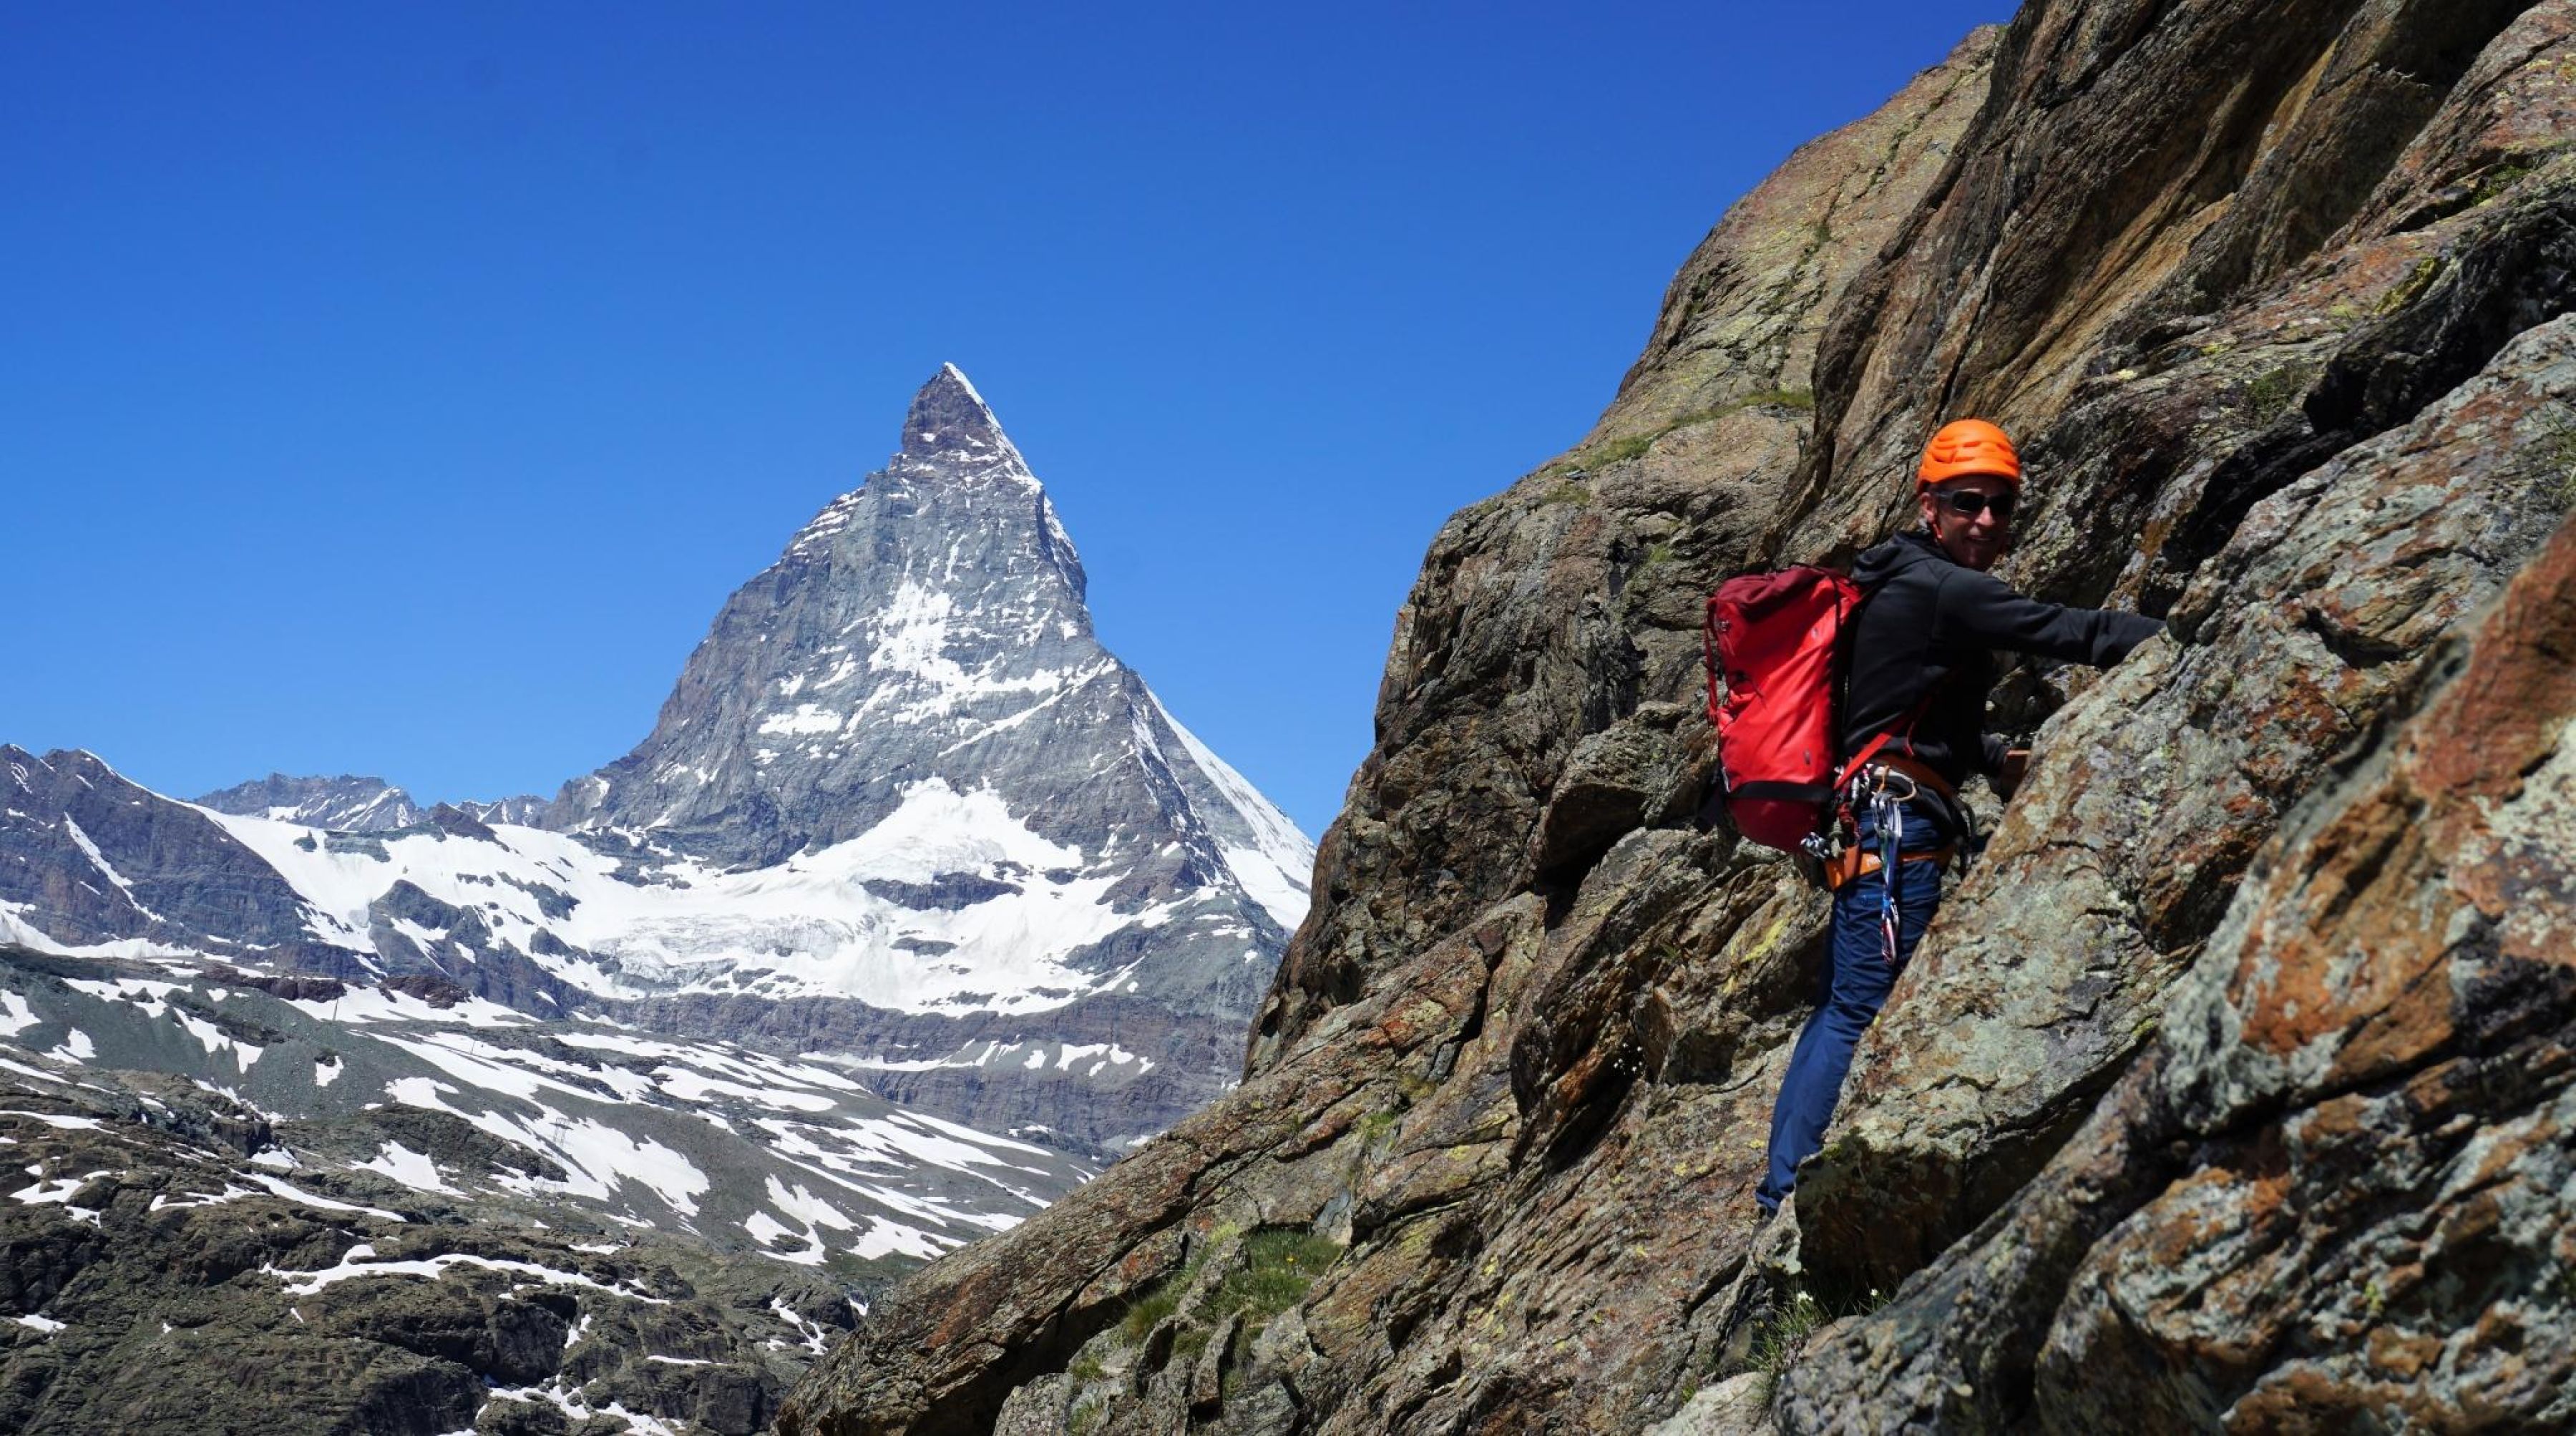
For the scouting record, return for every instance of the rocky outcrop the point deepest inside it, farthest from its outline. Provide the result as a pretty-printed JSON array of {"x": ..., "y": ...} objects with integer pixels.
[
  {"x": 2314, "y": 462},
  {"x": 2227, "y": 1089}
]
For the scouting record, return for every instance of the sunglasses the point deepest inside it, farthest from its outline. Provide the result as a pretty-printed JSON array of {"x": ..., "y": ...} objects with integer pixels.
[{"x": 1968, "y": 506}]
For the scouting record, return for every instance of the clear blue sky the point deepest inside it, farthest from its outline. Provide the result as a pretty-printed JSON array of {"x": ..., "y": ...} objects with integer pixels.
[{"x": 399, "y": 389}]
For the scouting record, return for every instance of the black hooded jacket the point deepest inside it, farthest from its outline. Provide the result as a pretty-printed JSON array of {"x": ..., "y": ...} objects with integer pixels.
[{"x": 1925, "y": 621}]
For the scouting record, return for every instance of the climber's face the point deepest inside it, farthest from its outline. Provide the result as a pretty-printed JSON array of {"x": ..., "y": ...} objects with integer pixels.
[{"x": 1971, "y": 518}]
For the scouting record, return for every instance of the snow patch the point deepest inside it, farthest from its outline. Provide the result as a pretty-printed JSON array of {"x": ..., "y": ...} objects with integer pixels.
[
  {"x": 357, "y": 1262},
  {"x": 413, "y": 1169},
  {"x": 293, "y": 1193}
]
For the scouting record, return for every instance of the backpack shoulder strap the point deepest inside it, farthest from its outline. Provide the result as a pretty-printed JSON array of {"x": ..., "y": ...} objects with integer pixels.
[{"x": 1871, "y": 748}]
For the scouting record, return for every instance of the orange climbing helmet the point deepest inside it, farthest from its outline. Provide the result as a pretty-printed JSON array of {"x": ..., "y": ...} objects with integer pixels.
[{"x": 1968, "y": 446}]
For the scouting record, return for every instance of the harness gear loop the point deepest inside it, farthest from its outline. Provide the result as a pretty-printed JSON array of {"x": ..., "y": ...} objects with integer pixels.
[{"x": 1841, "y": 867}]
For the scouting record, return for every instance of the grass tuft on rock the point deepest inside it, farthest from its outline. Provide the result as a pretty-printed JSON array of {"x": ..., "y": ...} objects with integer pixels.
[
  {"x": 1780, "y": 1339},
  {"x": 1147, "y": 1312},
  {"x": 2272, "y": 392},
  {"x": 1619, "y": 451},
  {"x": 1278, "y": 1267}
]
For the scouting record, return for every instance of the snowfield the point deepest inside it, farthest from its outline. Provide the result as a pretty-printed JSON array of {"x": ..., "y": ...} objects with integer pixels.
[{"x": 808, "y": 927}]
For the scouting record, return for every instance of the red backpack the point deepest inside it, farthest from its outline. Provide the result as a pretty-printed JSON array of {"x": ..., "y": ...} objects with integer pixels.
[{"x": 1775, "y": 668}]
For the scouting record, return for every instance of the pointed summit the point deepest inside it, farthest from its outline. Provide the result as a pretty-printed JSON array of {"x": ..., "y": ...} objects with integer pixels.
[{"x": 949, "y": 417}]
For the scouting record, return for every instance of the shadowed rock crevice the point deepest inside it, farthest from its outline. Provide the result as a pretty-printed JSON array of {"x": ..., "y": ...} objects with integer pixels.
[{"x": 2516, "y": 277}]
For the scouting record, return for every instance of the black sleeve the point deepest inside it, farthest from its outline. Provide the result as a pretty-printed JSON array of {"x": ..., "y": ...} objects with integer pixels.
[
  {"x": 1984, "y": 610},
  {"x": 1990, "y": 753}
]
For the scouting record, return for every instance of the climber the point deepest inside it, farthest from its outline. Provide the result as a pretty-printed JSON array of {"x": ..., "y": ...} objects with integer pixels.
[{"x": 1919, "y": 670}]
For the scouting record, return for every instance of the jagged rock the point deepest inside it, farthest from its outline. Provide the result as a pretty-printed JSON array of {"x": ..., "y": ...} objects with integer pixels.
[
  {"x": 1634, "y": 774},
  {"x": 1737, "y": 1406},
  {"x": 437, "y": 991}
]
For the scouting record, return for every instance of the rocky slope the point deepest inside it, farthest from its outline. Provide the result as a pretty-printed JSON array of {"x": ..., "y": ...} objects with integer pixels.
[
  {"x": 170, "y": 1267},
  {"x": 2226, "y": 1089},
  {"x": 166, "y": 1277},
  {"x": 725, "y": 1202}
]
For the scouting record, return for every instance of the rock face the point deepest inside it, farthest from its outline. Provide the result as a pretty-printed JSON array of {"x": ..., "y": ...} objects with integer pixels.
[
  {"x": 2337, "y": 1191},
  {"x": 2228, "y": 1088},
  {"x": 87, "y": 857}
]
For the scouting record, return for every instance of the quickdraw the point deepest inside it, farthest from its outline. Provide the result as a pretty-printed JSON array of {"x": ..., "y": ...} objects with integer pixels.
[
  {"x": 1882, "y": 791},
  {"x": 1887, "y": 810}
]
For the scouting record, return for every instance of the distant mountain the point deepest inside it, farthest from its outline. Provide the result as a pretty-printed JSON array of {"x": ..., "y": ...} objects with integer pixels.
[
  {"x": 357, "y": 805},
  {"x": 527, "y": 809},
  {"x": 923, "y": 639},
  {"x": 348, "y": 804},
  {"x": 902, "y": 809}
]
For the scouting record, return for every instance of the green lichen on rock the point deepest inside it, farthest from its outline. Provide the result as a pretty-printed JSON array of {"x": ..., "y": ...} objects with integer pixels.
[{"x": 2554, "y": 455}]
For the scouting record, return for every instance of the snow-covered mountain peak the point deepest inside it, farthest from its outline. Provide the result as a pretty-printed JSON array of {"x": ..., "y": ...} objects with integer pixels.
[
  {"x": 922, "y": 650},
  {"x": 902, "y": 806}
]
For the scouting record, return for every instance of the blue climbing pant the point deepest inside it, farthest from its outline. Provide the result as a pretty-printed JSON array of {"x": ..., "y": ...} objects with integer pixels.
[{"x": 1857, "y": 979}]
